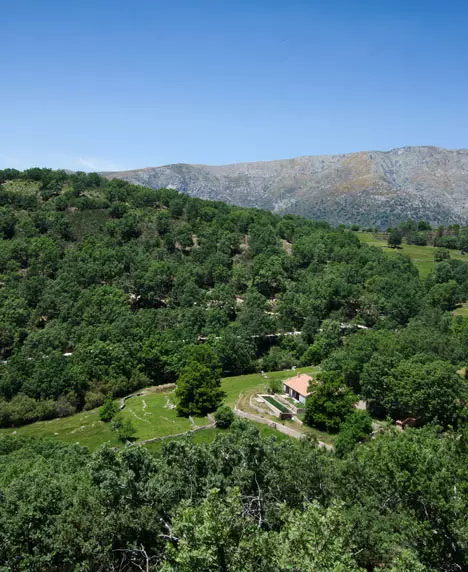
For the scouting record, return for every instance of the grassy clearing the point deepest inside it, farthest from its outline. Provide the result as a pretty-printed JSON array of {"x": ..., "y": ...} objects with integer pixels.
[
  {"x": 461, "y": 311},
  {"x": 422, "y": 256},
  {"x": 249, "y": 392},
  {"x": 209, "y": 435},
  {"x": 151, "y": 416},
  {"x": 234, "y": 386},
  {"x": 84, "y": 428}
]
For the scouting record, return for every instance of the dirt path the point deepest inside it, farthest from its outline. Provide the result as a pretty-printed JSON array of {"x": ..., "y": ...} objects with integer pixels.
[{"x": 274, "y": 425}]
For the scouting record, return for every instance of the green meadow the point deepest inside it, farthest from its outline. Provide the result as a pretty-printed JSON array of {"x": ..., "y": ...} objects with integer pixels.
[
  {"x": 152, "y": 415},
  {"x": 422, "y": 256},
  {"x": 462, "y": 310}
]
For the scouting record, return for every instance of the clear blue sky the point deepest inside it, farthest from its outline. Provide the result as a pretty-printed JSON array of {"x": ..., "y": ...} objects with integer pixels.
[{"x": 100, "y": 84}]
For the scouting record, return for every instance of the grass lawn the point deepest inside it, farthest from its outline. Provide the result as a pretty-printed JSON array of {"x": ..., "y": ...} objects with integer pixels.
[
  {"x": 250, "y": 389},
  {"x": 461, "y": 311},
  {"x": 209, "y": 435},
  {"x": 150, "y": 416},
  {"x": 234, "y": 386},
  {"x": 84, "y": 428},
  {"x": 422, "y": 256}
]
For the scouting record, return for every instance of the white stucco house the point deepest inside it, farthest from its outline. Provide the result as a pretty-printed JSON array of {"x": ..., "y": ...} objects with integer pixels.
[{"x": 298, "y": 387}]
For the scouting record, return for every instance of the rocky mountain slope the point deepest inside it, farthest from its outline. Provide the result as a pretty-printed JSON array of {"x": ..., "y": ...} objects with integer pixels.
[{"x": 371, "y": 188}]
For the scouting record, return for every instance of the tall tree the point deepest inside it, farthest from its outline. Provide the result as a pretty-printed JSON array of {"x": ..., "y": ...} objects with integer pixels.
[
  {"x": 329, "y": 403},
  {"x": 198, "y": 390},
  {"x": 395, "y": 238}
]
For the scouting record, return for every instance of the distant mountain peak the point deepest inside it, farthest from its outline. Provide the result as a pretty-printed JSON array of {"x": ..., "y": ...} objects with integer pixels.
[{"x": 373, "y": 188}]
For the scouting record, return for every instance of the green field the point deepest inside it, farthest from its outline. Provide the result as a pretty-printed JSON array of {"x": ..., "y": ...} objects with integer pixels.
[
  {"x": 151, "y": 416},
  {"x": 84, "y": 428},
  {"x": 234, "y": 386},
  {"x": 461, "y": 311},
  {"x": 422, "y": 256},
  {"x": 208, "y": 435}
]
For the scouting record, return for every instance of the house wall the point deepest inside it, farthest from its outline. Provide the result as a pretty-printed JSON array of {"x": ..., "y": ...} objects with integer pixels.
[{"x": 294, "y": 394}]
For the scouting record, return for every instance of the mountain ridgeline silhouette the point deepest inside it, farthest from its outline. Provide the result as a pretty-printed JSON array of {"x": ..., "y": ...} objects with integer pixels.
[{"x": 371, "y": 188}]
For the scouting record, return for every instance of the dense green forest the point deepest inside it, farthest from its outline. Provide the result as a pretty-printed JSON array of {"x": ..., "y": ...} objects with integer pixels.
[
  {"x": 107, "y": 287},
  {"x": 242, "y": 503}
]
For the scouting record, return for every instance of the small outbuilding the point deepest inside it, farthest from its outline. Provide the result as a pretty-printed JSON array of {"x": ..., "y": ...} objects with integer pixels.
[{"x": 298, "y": 387}]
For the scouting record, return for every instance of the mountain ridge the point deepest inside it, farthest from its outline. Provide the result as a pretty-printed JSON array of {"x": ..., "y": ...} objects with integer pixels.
[{"x": 372, "y": 188}]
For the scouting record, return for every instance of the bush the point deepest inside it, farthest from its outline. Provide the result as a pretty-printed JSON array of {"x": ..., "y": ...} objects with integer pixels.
[
  {"x": 452, "y": 242},
  {"x": 278, "y": 359},
  {"x": 417, "y": 238},
  {"x": 23, "y": 409},
  {"x": 108, "y": 410},
  {"x": 124, "y": 427},
  {"x": 441, "y": 254},
  {"x": 275, "y": 386},
  {"x": 224, "y": 416},
  {"x": 66, "y": 405},
  {"x": 93, "y": 399}
]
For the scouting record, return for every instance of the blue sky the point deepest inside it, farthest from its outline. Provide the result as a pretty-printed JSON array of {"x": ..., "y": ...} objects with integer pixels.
[{"x": 107, "y": 85}]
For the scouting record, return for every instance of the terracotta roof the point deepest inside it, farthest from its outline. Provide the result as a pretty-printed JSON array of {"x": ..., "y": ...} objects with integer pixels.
[{"x": 300, "y": 383}]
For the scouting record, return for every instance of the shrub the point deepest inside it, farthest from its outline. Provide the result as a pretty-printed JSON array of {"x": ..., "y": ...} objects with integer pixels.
[
  {"x": 447, "y": 241},
  {"x": 124, "y": 427},
  {"x": 278, "y": 359},
  {"x": 65, "y": 405},
  {"x": 93, "y": 399},
  {"x": 224, "y": 416},
  {"x": 441, "y": 254},
  {"x": 108, "y": 410},
  {"x": 418, "y": 238},
  {"x": 275, "y": 386}
]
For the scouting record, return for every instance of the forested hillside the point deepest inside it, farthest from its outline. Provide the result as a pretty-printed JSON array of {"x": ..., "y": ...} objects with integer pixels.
[
  {"x": 104, "y": 284},
  {"x": 106, "y": 287}
]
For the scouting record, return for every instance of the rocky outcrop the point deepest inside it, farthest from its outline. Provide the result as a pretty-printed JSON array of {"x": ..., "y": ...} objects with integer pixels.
[{"x": 370, "y": 188}]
